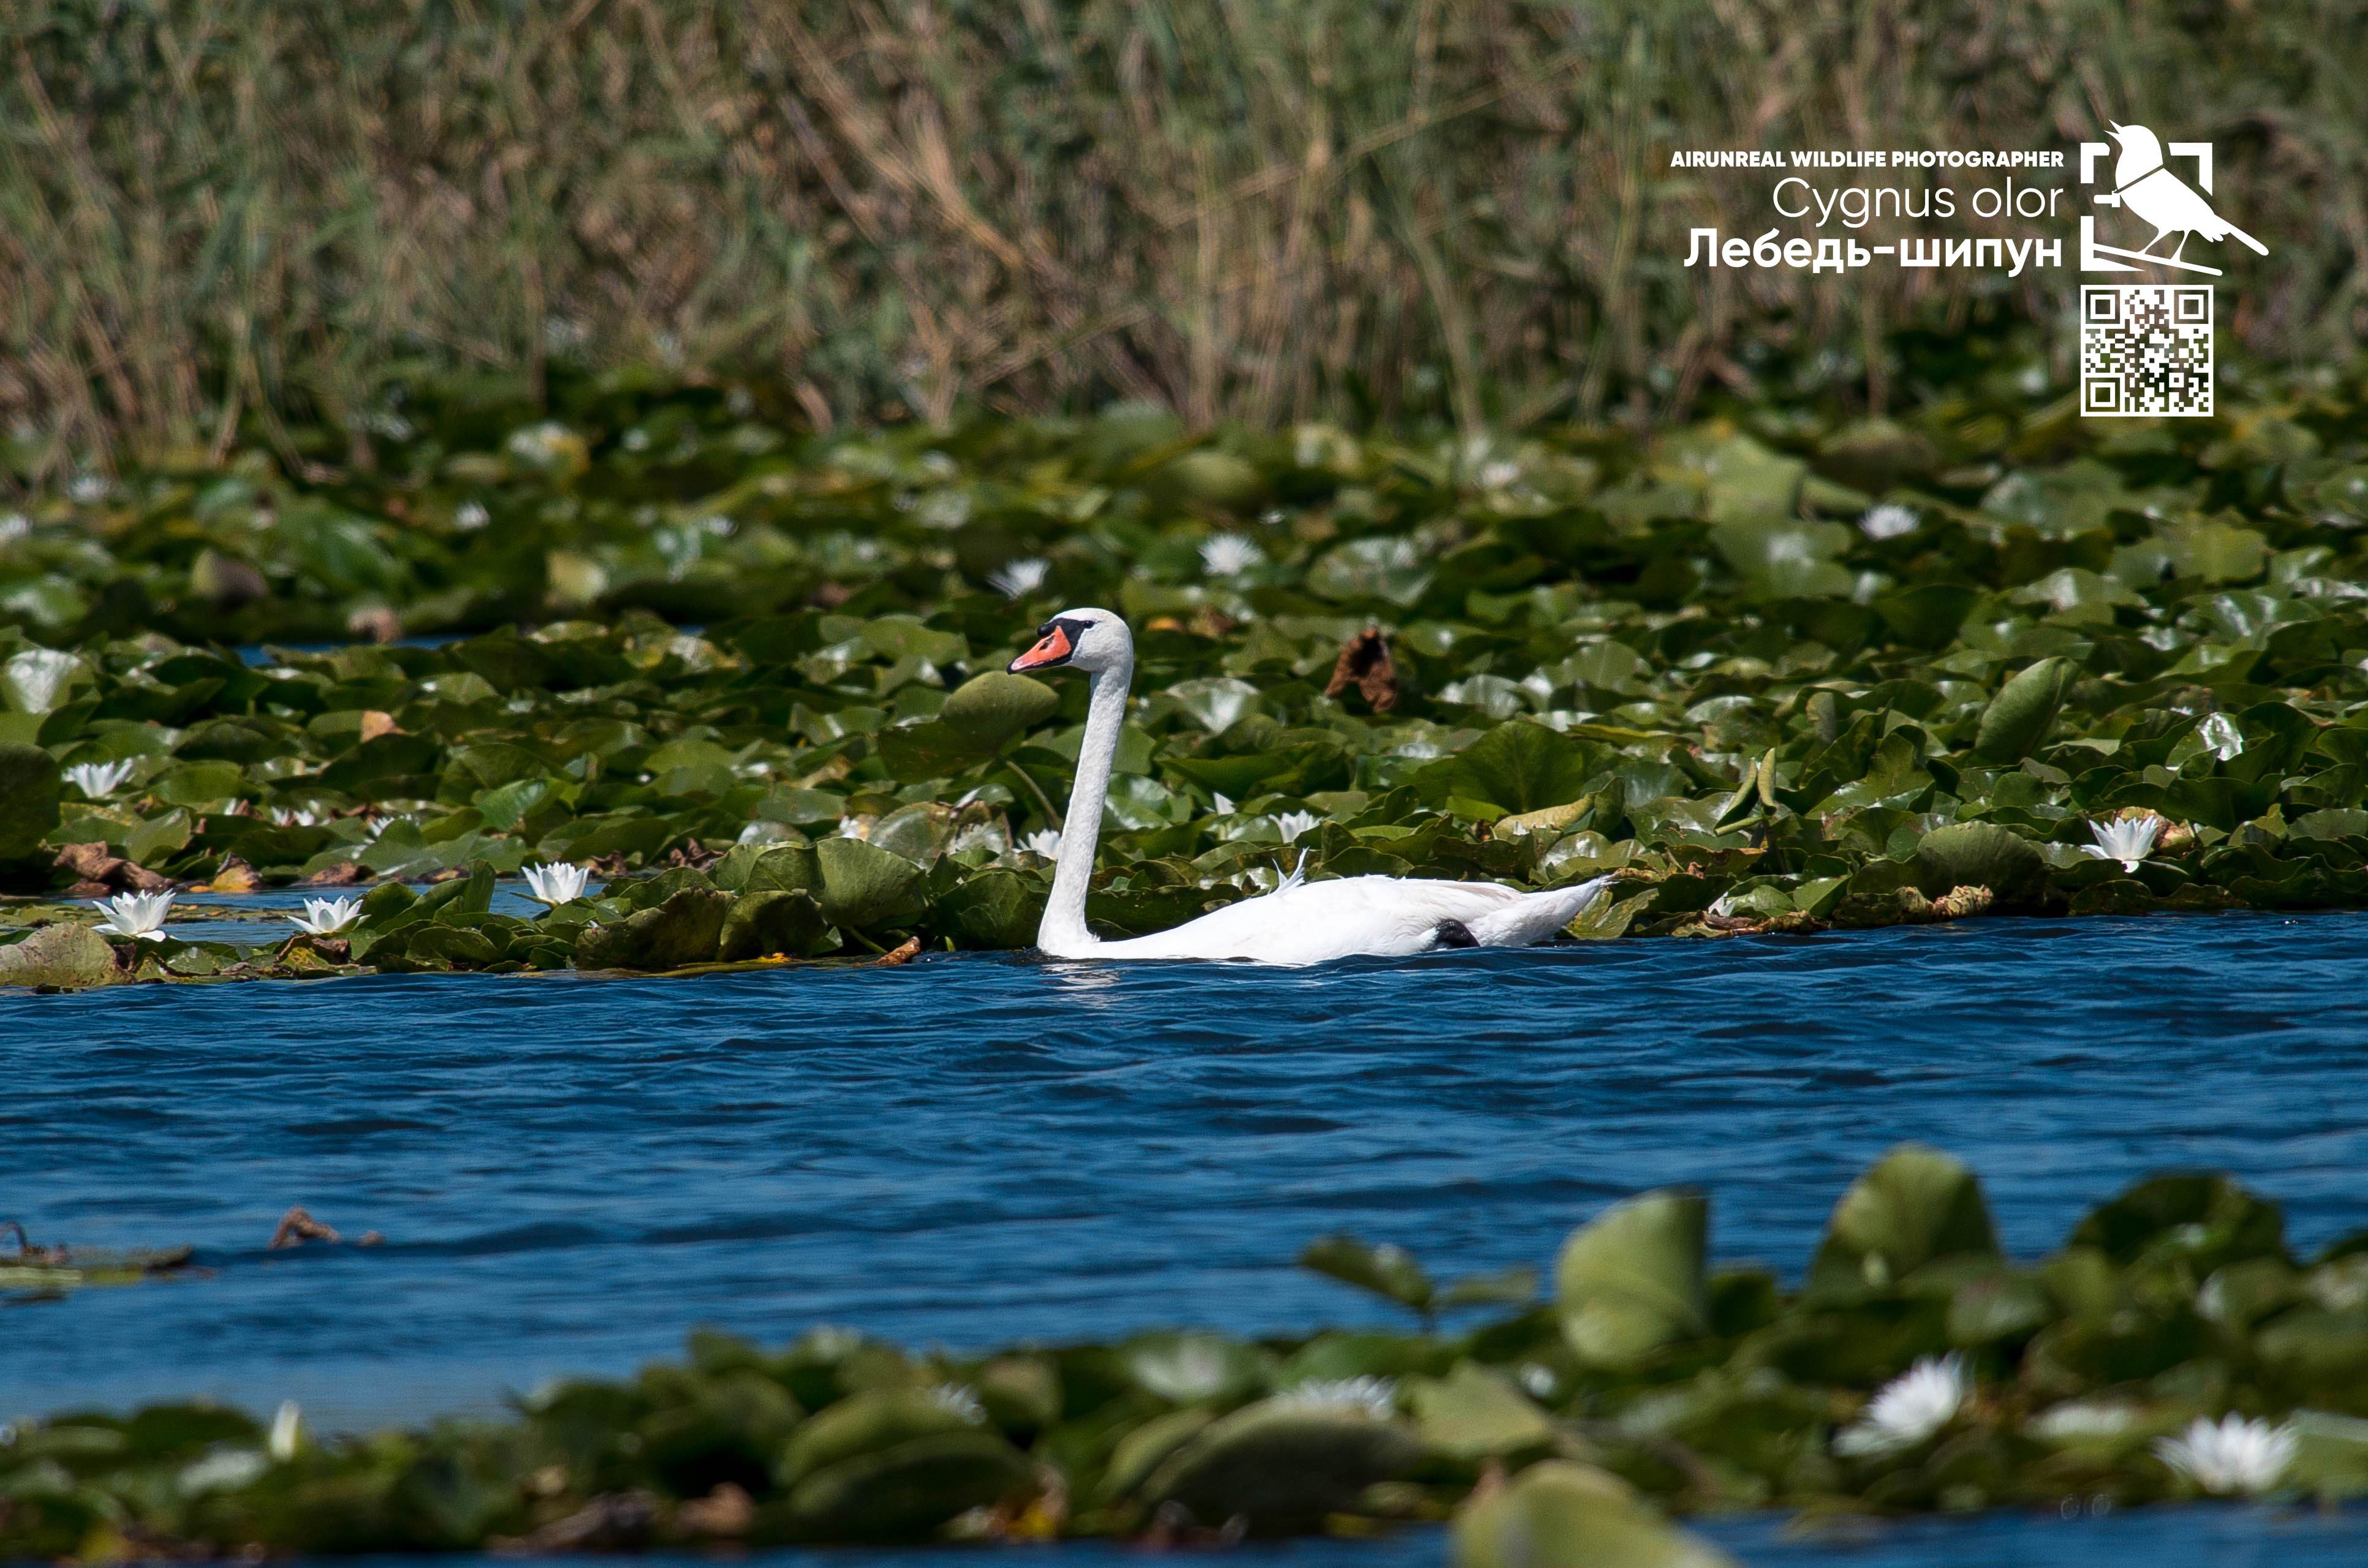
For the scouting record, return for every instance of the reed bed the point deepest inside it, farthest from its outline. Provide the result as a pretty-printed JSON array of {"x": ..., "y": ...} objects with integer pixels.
[{"x": 230, "y": 220}]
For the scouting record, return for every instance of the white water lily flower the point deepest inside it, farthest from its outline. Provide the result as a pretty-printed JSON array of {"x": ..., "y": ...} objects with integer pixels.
[
  {"x": 97, "y": 780},
  {"x": 39, "y": 675},
  {"x": 1376, "y": 1398},
  {"x": 139, "y": 915},
  {"x": 1890, "y": 520},
  {"x": 984, "y": 835},
  {"x": 2127, "y": 839},
  {"x": 327, "y": 916},
  {"x": 471, "y": 515},
  {"x": 1044, "y": 841},
  {"x": 558, "y": 884},
  {"x": 1290, "y": 824},
  {"x": 957, "y": 1400},
  {"x": 2236, "y": 1457},
  {"x": 89, "y": 488},
  {"x": 1230, "y": 555},
  {"x": 1909, "y": 1408},
  {"x": 287, "y": 1431},
  {"x": 2221, "y": 737},
  {"x": 300, "y": 816},
  {"x": 14, "y": 527},
  {"x": 1017, "y": 579},
  {"x": 1222, "y": 805}
]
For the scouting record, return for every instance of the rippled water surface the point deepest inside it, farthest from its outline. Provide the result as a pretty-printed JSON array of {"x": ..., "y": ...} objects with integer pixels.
[{"x": 571, "y": 1172}]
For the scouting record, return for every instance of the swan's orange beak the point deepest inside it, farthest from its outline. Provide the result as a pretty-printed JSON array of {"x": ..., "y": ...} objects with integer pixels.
[{"x": 1053, "y": 648}]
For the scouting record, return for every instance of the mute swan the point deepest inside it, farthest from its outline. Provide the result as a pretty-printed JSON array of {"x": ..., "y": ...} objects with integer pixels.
[{"x": 1299, "y": 922}]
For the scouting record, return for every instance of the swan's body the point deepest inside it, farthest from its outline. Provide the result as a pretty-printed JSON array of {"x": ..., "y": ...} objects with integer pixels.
[{"x": 1299, "y": 922}]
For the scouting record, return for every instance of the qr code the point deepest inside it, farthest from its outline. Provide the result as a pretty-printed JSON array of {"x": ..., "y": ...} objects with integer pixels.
[{"x": 2145, "y": 349}]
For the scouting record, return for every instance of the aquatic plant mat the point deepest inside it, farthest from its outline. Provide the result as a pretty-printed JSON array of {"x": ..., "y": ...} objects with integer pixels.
[
  {"x": 2172, "y": 1346},
  {"x": 1771, "y": 673}
]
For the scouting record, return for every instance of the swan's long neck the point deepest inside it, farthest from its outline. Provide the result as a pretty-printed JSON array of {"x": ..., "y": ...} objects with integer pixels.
[{"x": 1064, "y": 933}]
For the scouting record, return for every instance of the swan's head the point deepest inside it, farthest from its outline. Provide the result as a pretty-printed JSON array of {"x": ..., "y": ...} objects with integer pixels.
[{"x": 1088, "y": 640}]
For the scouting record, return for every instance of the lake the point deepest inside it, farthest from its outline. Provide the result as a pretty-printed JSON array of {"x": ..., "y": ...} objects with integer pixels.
[{"x": 570, "y": 1171}]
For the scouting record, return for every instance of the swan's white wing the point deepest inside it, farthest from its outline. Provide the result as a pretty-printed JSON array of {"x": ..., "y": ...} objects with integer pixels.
[{"x": 1379, "y": 916}]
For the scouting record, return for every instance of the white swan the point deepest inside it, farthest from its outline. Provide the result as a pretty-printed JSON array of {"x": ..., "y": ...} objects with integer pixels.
[{"x": 1299, "y": 922}]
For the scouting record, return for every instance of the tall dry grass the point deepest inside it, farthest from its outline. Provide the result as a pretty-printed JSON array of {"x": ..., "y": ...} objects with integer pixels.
[{"x": 219, "y": 215}]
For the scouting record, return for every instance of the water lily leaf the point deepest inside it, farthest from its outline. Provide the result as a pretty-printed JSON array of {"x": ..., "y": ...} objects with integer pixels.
[
  {"x": 1282, "y": 1465},
  {"x": 2019, "y": 716},
  {"x": 908, "y": 1492},
  {"x": 869, "y": 1422},
  {"x": 993, "y": 909},
  {"x": 1915, "y": 1205},
  {"x": 1632, "y": 1279},
  {"x": 2205, "y": 1218},
  {"x": 198, "y": 784},
  {"x": 64, "y": 955},
  {"x": 866, "y": 888},
  {"x": 1978, "y": 854},
  {"x": 1215, "y": 478},
  {"x": 988, "y": 709},
  {"x": 1390, "y": 1272},
  {"x": 1145, "y": 1449},
  {"x": 1518, "y": 767},
  {"x": 1474, "y": 1412},
  {"x": 685, "y": 929},
  {"x": 1383, "y": 567},
  {"x": 1216, "y": 704},
  {"x": 1563, "y": 1514},
  {"x": 31, "y": 788},
  {"x": 919, "y": 833},
  {"x": 762, "y": 924},
  {"x": 789, "y": 868}
]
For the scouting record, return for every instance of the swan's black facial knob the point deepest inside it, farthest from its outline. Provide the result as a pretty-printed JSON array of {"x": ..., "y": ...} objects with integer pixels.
[{"x": 1056, "y": 644}]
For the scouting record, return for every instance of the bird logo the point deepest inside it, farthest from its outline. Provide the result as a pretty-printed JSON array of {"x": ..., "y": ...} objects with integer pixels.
[{"x": 2145, "y": 187}]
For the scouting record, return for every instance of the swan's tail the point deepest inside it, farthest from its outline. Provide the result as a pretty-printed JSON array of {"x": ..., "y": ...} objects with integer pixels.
[{"x": 1536, "y": 916}]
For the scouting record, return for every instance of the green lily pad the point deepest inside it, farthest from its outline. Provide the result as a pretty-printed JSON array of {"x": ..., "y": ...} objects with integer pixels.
[
  {"x": 988, "y": 709},
  {"x": 2018, "y": 718},
  {"x": 1475, "y": 1412},
  {"x": 687, "y": 928},
  {"x": 63, "y": 955},
  {"x": 1916, "y": 1205},
  {"x": 1280, "y": 1464},
  {"x": 1632, "y": 1279},
  {"x": 765, "y": 923},
  {"x": 30, "y": 788},
  {"x": 1562, "y": 1514},
  {"x": 1982, "y": 855},
  {"x": 868, "y": 888},
  {"x": 908, "y": 1492}
]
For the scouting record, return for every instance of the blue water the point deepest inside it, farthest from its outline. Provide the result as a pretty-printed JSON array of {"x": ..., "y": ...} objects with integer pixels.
[{"x": 570, "y": 1171}]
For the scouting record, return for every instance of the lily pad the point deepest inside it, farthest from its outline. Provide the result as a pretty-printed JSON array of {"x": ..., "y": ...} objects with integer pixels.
[
  {"x": 1561, "y": 1515},
  {"x": 1916, "y": 1205},
  {"x": 31, "y": 787},
  {"x": 761, "y": 923},
  {"x": 1632, "y": 1279},
  {"x": 1280, "y": 1465},
  {"x": 867, "y": 887},
  {"x": 63, "y": 955},
  {"x": 2018, "y": 717},
  {"x": 988, "y": 709},
  {"x": 687, "y": 928}
]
